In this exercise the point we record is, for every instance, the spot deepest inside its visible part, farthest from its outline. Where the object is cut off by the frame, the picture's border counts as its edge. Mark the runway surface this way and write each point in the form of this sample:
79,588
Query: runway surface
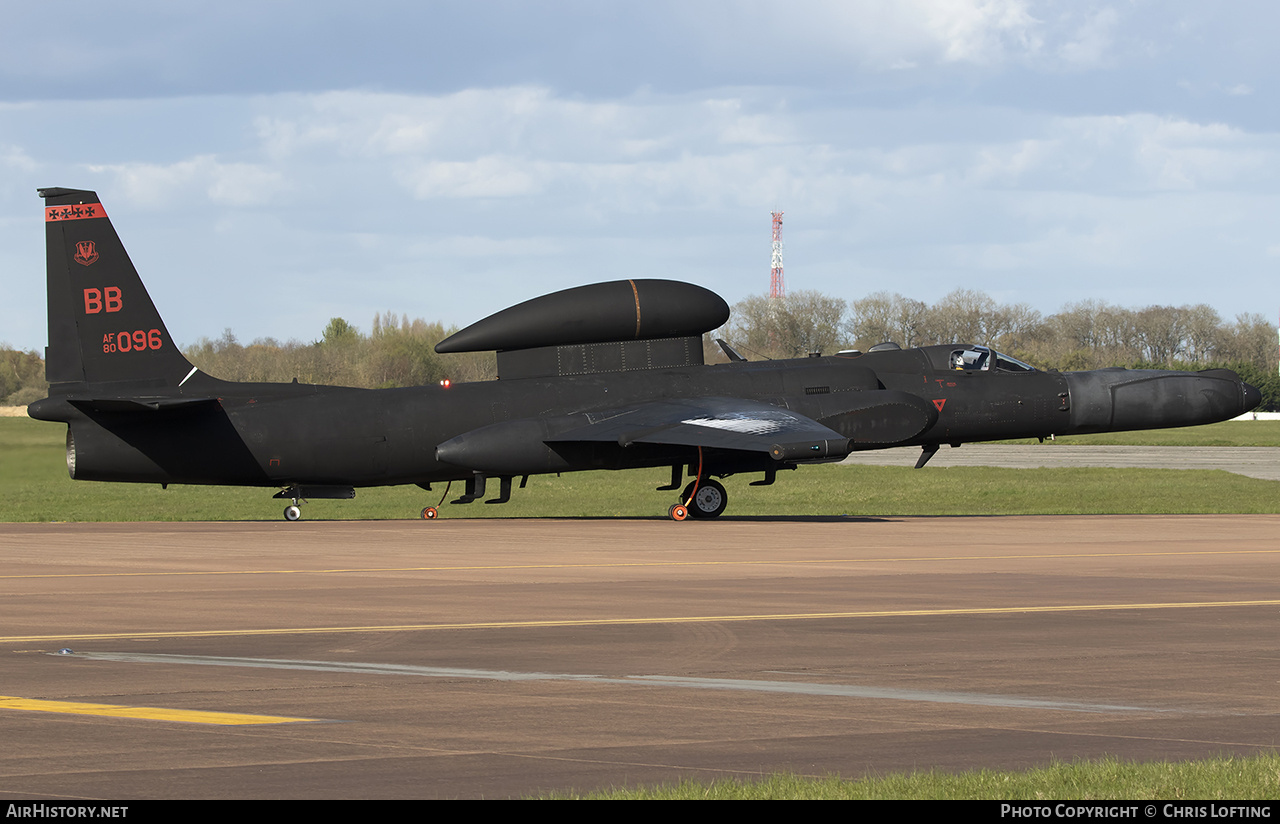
1254,461
509,658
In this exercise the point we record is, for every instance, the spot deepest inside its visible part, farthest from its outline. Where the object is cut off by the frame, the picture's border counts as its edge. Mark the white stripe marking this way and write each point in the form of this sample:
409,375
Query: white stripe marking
684,682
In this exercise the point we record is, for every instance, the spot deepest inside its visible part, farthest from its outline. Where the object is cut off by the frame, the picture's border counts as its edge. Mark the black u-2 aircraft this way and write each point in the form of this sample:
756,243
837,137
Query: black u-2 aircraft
607,376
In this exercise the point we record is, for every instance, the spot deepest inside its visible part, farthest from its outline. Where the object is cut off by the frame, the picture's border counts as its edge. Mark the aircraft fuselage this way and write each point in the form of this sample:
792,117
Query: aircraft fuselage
281,434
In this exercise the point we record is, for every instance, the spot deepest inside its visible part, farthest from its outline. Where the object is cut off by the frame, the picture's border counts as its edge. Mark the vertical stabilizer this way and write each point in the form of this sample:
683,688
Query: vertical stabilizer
103,327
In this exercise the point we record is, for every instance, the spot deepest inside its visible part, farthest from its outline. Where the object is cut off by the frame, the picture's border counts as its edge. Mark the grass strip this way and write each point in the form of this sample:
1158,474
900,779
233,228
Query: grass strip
1227,433
1225,778
34,486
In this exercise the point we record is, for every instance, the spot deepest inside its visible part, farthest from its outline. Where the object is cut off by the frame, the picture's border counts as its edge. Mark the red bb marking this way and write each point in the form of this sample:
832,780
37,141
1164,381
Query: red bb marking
94,301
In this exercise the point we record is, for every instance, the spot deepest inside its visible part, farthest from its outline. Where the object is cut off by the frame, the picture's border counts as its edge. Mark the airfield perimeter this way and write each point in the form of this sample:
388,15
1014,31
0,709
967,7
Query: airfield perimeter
482,658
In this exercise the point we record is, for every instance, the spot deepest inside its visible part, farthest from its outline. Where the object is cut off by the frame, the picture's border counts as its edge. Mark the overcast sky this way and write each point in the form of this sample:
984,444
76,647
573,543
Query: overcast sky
270,165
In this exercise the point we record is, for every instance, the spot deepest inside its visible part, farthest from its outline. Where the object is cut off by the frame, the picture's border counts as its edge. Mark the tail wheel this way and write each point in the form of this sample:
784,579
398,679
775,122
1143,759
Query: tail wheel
292,513
430,514
678,512
709,499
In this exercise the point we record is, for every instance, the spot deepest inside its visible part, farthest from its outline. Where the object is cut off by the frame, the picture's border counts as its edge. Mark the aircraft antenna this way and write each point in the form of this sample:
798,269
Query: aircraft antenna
777,287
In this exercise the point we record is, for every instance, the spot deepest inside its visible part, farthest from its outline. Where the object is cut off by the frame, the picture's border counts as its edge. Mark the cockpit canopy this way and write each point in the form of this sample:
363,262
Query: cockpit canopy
980,359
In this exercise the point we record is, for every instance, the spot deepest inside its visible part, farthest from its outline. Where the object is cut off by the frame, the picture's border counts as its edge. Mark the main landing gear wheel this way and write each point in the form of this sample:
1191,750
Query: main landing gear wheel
709,500
292,513
678,512
430,514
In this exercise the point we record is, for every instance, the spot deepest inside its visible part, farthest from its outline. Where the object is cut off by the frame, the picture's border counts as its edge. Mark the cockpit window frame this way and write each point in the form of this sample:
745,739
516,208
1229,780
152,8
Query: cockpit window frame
973,358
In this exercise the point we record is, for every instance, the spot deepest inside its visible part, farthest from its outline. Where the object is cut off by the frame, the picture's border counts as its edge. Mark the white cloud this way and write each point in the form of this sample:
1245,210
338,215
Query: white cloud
17,159
158,186
525,142
587,160
476,246
573,160
978,31
1129,153
880,34
509,192
1090,44
484,177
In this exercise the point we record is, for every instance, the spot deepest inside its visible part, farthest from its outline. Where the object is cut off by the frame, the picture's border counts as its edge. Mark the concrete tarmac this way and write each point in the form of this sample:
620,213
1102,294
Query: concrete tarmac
1254,461
496,659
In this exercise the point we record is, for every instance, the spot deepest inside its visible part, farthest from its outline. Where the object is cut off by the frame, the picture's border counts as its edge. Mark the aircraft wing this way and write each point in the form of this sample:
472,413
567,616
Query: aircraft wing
718,423
872,419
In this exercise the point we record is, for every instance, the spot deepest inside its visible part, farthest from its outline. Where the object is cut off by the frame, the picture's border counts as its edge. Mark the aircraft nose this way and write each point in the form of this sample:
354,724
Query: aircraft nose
1112,400
1252,397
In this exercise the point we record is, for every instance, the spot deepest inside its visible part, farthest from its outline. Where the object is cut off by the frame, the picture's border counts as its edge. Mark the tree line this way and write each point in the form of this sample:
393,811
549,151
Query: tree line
397,352
1090,334
21,377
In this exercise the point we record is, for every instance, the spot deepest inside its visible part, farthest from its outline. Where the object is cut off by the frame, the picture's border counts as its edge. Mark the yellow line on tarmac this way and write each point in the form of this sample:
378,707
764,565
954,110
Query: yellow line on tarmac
596,622
625,564
9,702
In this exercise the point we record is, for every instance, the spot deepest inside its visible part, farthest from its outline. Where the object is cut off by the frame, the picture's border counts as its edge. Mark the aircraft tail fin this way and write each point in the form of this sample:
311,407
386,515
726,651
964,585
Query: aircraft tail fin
103,327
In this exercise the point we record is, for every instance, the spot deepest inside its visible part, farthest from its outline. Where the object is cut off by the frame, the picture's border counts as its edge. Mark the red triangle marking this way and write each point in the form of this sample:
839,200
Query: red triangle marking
940,402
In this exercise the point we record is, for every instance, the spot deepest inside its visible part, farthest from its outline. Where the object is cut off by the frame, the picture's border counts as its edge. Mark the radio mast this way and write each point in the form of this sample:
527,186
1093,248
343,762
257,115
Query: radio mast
777,287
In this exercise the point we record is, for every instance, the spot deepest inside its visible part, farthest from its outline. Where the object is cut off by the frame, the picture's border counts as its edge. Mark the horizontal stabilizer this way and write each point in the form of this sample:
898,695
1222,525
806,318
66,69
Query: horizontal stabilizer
139,404
56,408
